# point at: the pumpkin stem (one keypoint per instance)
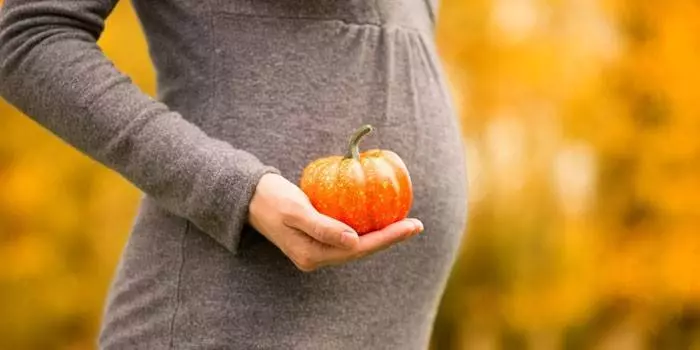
(354, 149)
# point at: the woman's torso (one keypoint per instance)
(288, 81)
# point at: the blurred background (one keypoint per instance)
(581, 121)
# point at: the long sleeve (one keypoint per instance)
(52, 69)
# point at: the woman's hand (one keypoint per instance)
(283, 214)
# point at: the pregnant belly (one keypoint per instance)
(293, 90)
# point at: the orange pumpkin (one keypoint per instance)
(368, 190)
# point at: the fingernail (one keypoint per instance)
(419, 226)
(348, 238)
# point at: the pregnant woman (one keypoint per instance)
(226, 251)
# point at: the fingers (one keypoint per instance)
(321, 227)
(384, 238)
(308, 254)
(372, 242)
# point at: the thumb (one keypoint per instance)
(325, 229)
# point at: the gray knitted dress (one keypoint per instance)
(247, 87)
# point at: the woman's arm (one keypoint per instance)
(52, 69)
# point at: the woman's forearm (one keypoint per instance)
(52, 69)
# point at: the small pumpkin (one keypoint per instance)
(368, 191)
